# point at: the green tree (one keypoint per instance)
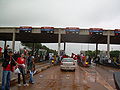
(115, 53)
(39, 46)
(91, 53)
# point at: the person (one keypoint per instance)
(50, 57)
(32, 70)
(47, 57)
(52, 60)
(0, 52)
(83, 60)
(97, 60)
(16, 55)
(78, 59)
(0, 49)
(88, 59)
(6, 51)
(29, 60)
(21, 65)
(64, 56)
(55, 59)
(8, 66)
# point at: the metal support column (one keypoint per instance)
(96, 49)
(59, 42)
(64, 46)
(13, 41)
(108, 44)
(5, 44)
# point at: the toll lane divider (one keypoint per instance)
(101, 80)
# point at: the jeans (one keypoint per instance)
(31, 77)
(23, 75)
(6, 80)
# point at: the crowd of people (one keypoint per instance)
(23, 64)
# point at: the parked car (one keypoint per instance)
(68, 64)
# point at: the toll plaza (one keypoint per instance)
(83, 78)
(60, 35)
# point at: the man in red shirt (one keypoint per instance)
(0, 49)
(8, 66)
(0, 52)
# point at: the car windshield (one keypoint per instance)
(68, 60)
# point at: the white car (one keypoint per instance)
(68, 64)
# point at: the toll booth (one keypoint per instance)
(95, 31)
(117, 32)
(25, 29)
(47, 30)
(72, 30)
(41, 54)
(103, 58)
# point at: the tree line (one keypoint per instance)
(115, 53)
(37, 46)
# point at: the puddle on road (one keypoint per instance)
(41, 76)
(67, 76)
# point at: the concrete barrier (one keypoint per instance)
(116, 76)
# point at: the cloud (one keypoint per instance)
(83, 13)
(61, 13)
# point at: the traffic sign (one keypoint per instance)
(47, 28)
(95, 31)
(25, 29)
(72, 29)
(117, 31)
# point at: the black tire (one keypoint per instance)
(74, 70)
(61, 69)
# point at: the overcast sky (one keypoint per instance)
(61, 13)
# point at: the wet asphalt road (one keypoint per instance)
(92, 78)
